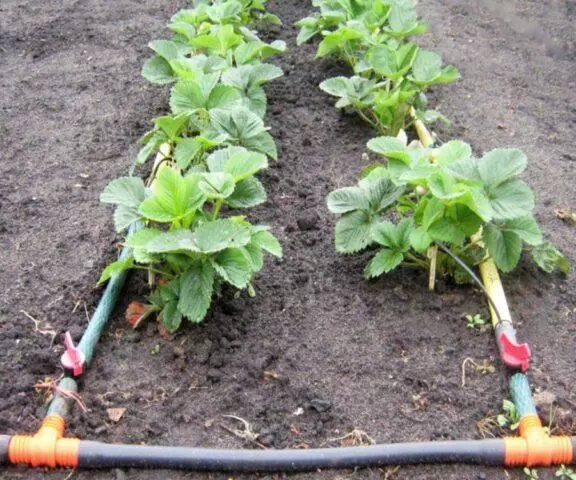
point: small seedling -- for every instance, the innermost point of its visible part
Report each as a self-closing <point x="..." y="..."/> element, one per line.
<point x="531" y="473"/>
<point x="565" y="473"/>
<point x="476" y="321"/>
<point x="509" y="418"/>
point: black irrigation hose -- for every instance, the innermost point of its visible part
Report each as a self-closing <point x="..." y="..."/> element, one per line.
<point x="475" y="277"/>
<point x="101" y="455"/>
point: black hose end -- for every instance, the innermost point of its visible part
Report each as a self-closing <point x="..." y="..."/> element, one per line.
<point x="4" y="444"/>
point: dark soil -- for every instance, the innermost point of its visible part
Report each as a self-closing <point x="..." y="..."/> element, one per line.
<point x="383" y="357"/>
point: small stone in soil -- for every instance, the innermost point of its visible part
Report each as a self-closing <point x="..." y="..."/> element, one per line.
<point x="308" y="221"/>
<point x="214" y="375"/>
<point x="320" y="405"/>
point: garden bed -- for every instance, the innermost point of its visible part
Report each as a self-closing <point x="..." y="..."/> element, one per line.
<point x="319" y="352"/>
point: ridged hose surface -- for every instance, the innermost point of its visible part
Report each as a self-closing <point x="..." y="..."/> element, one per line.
<point x="522" y="395"/>
<point x="105" y="306"/>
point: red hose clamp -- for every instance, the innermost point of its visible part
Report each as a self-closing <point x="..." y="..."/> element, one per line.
<point x="514" y="355"/>
<point x="72" y="359"/>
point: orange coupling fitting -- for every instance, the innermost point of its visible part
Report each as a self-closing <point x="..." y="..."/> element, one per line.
<point x="46" y="448"/>
<point x="535" y="447"/>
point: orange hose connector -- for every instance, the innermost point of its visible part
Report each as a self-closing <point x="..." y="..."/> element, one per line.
<point x="46" y="448"/>
<point x="535" y="447"/>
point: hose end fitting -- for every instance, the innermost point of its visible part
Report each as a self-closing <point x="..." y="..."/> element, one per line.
<point x="535" y="447"/>
<point x="46" y="448"/>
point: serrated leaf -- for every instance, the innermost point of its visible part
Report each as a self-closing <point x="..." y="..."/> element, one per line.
<point x="505" y="247"/>
<point x="500" y="165"/>
<point x="549" y="258"/>
<point x="451" y="152"/>
<point x="383" y="262"/>
<point x="263" y="143"/>
<point x="157" y="70"/>
<point x="128" y="191"/>
<point x="217" y="185"/>
<point x="171" y="125"/>
<point x="247" y="193"/>
<point x="395" y="237"/>
<point x="390" y="147"/>
<point x="175" y="197"/>
<point x="220" y="234"/>
<point x="511" y="199"/>
<point x="352" y="232"/>
<point x="446" y="230"/>
<point x="116" y="268"/>
<point x="171" y="316"/>
<point x="348" y="199"/>
<point x="168" y="49"/>
<point x="186" y="151"/>
<point x="233" y="266"/>
<point x="196" y="288"/>
<point x="337" y="86"/>
<point x="256" y="256"/>
<point x="267" y="241"/>
<point x="172" y="241"/>
<point x="420" y="240"/>
<point x="426" y="67"/>
<point x="243" y="164"/>
<point x="526" y="228"/>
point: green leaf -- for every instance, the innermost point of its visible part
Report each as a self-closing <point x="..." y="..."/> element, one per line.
<point x="446" y="230"/>
<point x="451" y="152"/>
<point x="549" y="258"/>
<point x="186" y="151"/>
<point x="264" y="143"/>
<point x="384" y="261"/>
<point x="337" y="86"/>
<point x="175" y="197"/>
<point x="171" y="316"/>
<point x="247" y="193"/>
<point x="390" y="147"/>
<point x="138" y="240"/>
<point x="169" y="50"/>
<point x="395" y="237"/>
<point x="511" y="199"/>
<point x="233" y="266"/>
<point x="172" y="241"/>
<point x="128" y="191"/>
<point x="157" y="70"/>
<point x="526" y="228"/>
<point x="427" y="66"/>
<point x="220" y="234"/>
<point x="217" y="185"/>
<point x="116" y="268"/>
<point x="352" y="232"/>
<point x="196" y="288"/>
<point x="420" y="240"/>
<point x="380" y="190"/>
<point x="348" y="199"/>
<point x="446" y="188"/>
<point x="256" y="256"/>
<point x="267" y="241"/>
<point x="243" y="164"/>
<point x="504" y="246"/>
<point x="500" y="165"/>
<point x="172" y="126"/>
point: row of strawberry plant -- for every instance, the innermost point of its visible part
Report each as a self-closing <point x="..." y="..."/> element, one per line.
<point x="418" y="196"/>
<point x="182" y="226"/>
<point x="391" y="73"/>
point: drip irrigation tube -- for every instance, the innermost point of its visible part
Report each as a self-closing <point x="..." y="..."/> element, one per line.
<point x="534" y="447"/>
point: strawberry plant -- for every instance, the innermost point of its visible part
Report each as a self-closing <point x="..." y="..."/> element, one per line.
<point x="424" y="196"/>
<point x="185" y="242"/>
<point x="391" y="73"/>
<point x="182" y="227"/>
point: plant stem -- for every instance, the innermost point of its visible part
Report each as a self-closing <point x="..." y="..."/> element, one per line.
<point x="217" y="207"/>
<point x="364" y="117"/>
<point x="153" y="270"/>
<point x="416" y="260"/>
